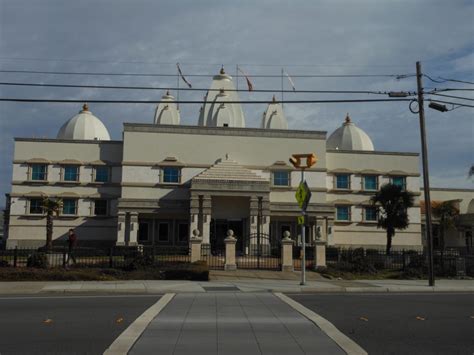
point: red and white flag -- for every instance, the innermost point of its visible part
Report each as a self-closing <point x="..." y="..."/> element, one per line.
<point x="249" y="83"/>
<point x="291" y="81"/>
<point x="182" y="76"/>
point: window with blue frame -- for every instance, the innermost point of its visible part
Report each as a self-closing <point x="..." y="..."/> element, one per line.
<point x="101" y="174"/>
<point x="400" y="181"/>
<point x="281" y="178"/>
<point x="36" y="206"/>
<point x="171" y="175"/>
<point x="370" y="182"/>
<point x="71" y="173"/>
<point x="370" y="214"/>
<point x="69" y="206"/>
<point x="343" y="181"/>
<point x="39" y="172"/>
<point x="343" y="213"/>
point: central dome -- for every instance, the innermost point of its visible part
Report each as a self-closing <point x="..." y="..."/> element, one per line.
<point x="349" y="137"/>
<point x="84" y="126"/>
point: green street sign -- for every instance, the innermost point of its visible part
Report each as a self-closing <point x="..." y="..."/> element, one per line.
<point x="303" y="195"/>
<point x="300" y="220"/>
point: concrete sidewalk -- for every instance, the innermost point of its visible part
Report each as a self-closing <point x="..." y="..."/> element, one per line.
<point x="232" y="323"/>
<point x="238" y="285"/>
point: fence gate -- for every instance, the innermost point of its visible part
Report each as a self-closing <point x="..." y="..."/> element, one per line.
<point x="258" y="251"/>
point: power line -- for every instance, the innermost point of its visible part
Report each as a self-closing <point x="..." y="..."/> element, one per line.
<point x="454" y="97"/>
<point x="444" y="80"/>
<point x="398" y="76"/>
<point x="196" y="102"/>
<point x="190" y="89"/>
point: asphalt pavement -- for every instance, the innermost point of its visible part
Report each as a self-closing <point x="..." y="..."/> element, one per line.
<point x="66" y="324"/>
<point x="390" y="323"/>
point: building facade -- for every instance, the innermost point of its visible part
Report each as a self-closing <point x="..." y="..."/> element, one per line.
<point x="164" y="180"/>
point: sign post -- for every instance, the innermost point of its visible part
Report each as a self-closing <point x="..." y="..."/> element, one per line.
<point x="303" y="195"/>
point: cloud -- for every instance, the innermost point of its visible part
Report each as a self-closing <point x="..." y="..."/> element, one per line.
<point x="318" y="37"/>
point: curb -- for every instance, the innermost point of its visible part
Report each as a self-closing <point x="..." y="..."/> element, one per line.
<point x="343" y="341"/>
<point x="129" y="336"/>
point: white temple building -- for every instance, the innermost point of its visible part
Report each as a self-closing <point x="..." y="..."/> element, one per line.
<point x="163" y="180"/>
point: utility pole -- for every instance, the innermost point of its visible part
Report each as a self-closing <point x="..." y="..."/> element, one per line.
<point x="426" y="179"/>
<point x="303" y="239"/>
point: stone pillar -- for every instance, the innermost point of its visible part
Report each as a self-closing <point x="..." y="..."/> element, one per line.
<point x="193" y="214"/>
<point x="195" y="243"/>
<point x="230" y="241"/>
<point x="330" y="236"/>
<point x="319" y="254"/>
<point x="120" y="229"/>
<point x="321" y="230"/>
<point x="133" y="229"/>
<point x="287" y="252"/>
<point x="206" y="218"/>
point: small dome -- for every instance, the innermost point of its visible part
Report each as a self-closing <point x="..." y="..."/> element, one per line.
<point x="274" y="117"/>
<point x="84" y="126"/>
<point x="349" y="137"/>
<point x="167" y="111"/>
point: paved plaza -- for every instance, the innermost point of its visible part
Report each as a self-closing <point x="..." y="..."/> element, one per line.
<point x="232" y="323"/>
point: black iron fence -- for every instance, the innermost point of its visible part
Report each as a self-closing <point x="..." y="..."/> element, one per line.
<point x="446" y="263"/>
<point x="214" y="257"/>
<point x="113" y="257"/>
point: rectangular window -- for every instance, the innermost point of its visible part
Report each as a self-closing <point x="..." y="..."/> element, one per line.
<point x="100" y="207"/>
<point x="69" y="206"/>
<point x="343" y="213"/>
<point x="39" y="172"/>
<point x="101" y="174"/>
<point x="171" y="175"/>
<point x="183" y="232"/>
<point x="343" y="181"/>
<point x="36" y="206"/>
<point x="163" y="232"/>
<point x="71" y="173"/>
<point x="400" y="181"/>
<point x="370" y="214"/>
<point x="370" y="182"/>
<point x="281" y="178"/>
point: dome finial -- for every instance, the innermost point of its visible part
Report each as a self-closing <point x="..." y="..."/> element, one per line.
<point x="85" y="107"/>
<point x="274" y="98"/>
<point x="348" y="119"/>
<point x="168" y="92"/>
<point x="222" y="72"/>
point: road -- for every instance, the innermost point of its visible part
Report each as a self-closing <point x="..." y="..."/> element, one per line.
<point x="435" y="323"/>
<point x="66" y="324"/>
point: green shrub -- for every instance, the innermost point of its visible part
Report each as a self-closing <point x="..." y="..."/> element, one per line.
<point x="4" y="263"/>
<point x="372" y="251"/>
<point x="37" y="260"/>
<point x="139" y="262"/>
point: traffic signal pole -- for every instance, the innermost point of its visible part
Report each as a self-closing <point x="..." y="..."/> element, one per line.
<point x="426" y="178"/>
<point x="303" y="240"/>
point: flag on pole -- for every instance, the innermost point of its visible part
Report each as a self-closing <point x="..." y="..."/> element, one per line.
<point x="182" y="76"/>
<point x="291" y="81"/>
<point x="249" y="83"/>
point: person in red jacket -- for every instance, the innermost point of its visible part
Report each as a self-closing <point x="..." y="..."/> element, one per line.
<point x="72" y="241"/>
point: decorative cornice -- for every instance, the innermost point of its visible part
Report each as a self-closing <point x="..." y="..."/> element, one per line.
<point x="371" y="152"/>
<point x="54" y="140"/>
<point x="224" y="131"/>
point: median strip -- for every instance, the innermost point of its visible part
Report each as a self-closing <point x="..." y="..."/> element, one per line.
<point x="125" y="341"/>
<point x="344" y="342"/>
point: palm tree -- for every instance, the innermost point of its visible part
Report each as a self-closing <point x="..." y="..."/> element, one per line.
<point x="50" y="206"/>
<point x="447" y="213"/>
<point x="393" y="203"/>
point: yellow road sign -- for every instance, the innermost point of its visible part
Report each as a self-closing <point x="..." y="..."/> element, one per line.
<point x="300" y="220"/>
<point x="303" y="195"/>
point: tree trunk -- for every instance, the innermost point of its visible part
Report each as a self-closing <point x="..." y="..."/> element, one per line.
<point x="390" y="234"/>
<point x="49" y="230"/>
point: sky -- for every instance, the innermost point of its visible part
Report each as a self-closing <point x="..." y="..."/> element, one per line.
<point x="332" y="37"/>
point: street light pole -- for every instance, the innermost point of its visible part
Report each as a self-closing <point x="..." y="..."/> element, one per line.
<point x="303" y="240"/>
<point x="426" y="179"/>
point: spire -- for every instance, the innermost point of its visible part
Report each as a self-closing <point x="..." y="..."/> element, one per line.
<point x="222" y="72"/>
<point x="85" y="107"/>
<point x="348" y="119"/>
<point x="274" y="98"/>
